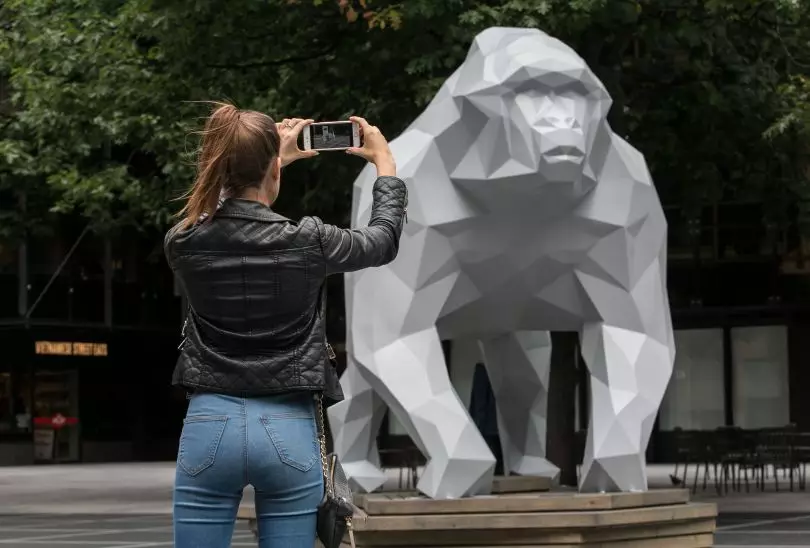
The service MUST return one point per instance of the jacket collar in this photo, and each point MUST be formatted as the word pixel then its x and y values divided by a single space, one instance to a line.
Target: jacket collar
pixel 237 208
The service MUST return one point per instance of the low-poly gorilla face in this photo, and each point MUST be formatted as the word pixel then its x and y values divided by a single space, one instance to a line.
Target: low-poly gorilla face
pixel 561 121
pixel 546 100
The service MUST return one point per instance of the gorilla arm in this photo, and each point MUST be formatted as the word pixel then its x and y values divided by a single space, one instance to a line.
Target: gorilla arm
pixel 628 345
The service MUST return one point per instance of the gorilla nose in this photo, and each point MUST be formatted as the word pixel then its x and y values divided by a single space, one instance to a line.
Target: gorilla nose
pixel 562 122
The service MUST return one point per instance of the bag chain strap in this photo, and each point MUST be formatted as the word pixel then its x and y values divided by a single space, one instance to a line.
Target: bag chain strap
pixel 327 481
pixel 322 442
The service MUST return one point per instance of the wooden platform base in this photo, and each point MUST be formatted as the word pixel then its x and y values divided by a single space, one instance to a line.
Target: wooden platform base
pixel 655 519
pixel 523 512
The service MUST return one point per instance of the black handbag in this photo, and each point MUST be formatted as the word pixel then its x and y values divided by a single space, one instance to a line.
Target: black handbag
pixel 336 509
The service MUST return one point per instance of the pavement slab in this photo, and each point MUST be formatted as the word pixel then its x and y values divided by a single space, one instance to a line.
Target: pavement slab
pixel 753 530
pixel 96 531
pixel 129 506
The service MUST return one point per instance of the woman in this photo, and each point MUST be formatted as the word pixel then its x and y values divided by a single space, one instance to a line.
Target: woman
pixel 254 351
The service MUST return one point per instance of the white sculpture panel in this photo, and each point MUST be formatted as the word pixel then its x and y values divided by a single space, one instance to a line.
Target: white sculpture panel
pixel 527 214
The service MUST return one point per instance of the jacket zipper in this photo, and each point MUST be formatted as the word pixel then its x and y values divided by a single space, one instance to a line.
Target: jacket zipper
pixel 183 333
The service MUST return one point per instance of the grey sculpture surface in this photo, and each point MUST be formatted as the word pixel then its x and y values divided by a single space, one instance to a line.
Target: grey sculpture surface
pixel 527 214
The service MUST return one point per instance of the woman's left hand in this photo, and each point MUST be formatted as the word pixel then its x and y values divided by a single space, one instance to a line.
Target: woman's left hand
pixel 289 129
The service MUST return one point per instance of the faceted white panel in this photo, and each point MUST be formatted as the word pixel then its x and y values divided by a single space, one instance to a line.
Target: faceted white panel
pixel 527 215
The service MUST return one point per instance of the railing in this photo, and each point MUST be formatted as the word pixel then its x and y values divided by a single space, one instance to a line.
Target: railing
pixel 736 457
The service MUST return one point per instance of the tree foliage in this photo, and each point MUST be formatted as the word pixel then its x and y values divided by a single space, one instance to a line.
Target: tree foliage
pixel 103 94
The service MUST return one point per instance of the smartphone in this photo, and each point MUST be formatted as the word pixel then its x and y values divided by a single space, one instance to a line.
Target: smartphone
pixel 331 136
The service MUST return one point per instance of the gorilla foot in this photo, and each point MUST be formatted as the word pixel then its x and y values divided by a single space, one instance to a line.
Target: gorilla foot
pixel 364 476
pixel 457 478
pixel 620 473
pixel 535 466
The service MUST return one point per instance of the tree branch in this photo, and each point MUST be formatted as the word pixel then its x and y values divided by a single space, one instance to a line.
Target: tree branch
pixel 275 62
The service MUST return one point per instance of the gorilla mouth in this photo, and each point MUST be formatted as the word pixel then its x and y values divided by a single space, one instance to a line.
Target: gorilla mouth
pixel 564 154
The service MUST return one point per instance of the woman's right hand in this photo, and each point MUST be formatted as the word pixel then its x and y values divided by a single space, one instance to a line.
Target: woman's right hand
pixel 375 148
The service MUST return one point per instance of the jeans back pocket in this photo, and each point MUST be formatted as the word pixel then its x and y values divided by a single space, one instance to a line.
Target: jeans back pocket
pixel 199 442
pixel 295 438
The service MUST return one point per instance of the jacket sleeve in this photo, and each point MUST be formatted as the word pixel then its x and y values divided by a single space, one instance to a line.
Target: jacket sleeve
pixel 347 250
pixel 168 243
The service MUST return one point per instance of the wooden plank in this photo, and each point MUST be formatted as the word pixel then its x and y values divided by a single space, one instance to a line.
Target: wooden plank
pixel 655 530
pixel 410 503
pixel 519 484
pixel 405 504
pixel 500 485
pixel 653 497
pixel 703 539
pixel 536 536
pixel 535 520
pixel 694 541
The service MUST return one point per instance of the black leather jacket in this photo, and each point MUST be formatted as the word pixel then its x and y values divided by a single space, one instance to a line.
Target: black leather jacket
pixel 254 283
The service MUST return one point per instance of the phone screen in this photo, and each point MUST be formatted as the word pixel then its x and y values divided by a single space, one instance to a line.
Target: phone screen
pixel 333 135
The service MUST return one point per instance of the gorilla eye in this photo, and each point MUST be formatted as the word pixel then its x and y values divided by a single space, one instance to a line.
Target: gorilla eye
pixel 549 88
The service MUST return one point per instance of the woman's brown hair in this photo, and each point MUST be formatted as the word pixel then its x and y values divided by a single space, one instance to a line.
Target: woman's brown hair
pixel 237 149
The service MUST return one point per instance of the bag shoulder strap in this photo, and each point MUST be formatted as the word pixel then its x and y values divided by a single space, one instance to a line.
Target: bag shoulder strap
pixel 320 419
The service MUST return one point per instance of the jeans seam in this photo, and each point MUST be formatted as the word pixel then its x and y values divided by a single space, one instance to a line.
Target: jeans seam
pixel 246 442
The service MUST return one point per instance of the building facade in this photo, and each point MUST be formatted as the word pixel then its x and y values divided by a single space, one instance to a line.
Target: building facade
pixel 89 326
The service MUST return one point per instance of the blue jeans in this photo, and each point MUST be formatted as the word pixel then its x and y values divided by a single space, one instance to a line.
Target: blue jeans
pixel 229 442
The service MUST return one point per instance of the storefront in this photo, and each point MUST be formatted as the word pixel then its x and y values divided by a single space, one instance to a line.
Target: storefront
pixel 39 395
pixel 74 395
pixel 745 369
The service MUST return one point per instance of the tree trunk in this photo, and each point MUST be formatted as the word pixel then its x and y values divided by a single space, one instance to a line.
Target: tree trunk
pixel 561 433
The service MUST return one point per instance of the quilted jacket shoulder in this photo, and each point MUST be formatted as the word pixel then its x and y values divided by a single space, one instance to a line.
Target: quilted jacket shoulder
pixel 254 281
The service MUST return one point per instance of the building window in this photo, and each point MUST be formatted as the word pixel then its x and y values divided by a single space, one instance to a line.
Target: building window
pixel 760 376
pixel 6 403
pixel 9 283
pixel 695 397
pixel 15 404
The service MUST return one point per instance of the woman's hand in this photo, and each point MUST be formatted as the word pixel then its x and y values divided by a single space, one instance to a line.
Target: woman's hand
pixel 289 129
pixel 375 148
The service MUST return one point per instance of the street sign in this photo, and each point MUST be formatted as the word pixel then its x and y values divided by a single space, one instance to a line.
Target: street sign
pixel 70 348
pixel 56 422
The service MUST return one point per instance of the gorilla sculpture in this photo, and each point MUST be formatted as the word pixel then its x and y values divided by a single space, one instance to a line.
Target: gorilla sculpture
pixel 527 214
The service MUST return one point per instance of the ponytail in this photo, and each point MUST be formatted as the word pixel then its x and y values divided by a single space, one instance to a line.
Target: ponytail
pixel 218 137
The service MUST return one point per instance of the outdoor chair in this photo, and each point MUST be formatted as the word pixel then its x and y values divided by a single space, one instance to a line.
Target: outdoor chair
pixel 730 451
pixel 776 453
pixel 685 453
pixel 692 447
pixel 800 444
pixel 406 460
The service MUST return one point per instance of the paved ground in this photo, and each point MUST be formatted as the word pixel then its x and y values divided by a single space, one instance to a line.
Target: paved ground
pixel 99 531
pixel 763 530
pixel 129 506
pixel 145 531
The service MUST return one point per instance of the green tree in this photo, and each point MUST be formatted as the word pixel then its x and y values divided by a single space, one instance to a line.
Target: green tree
pixel 103 102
